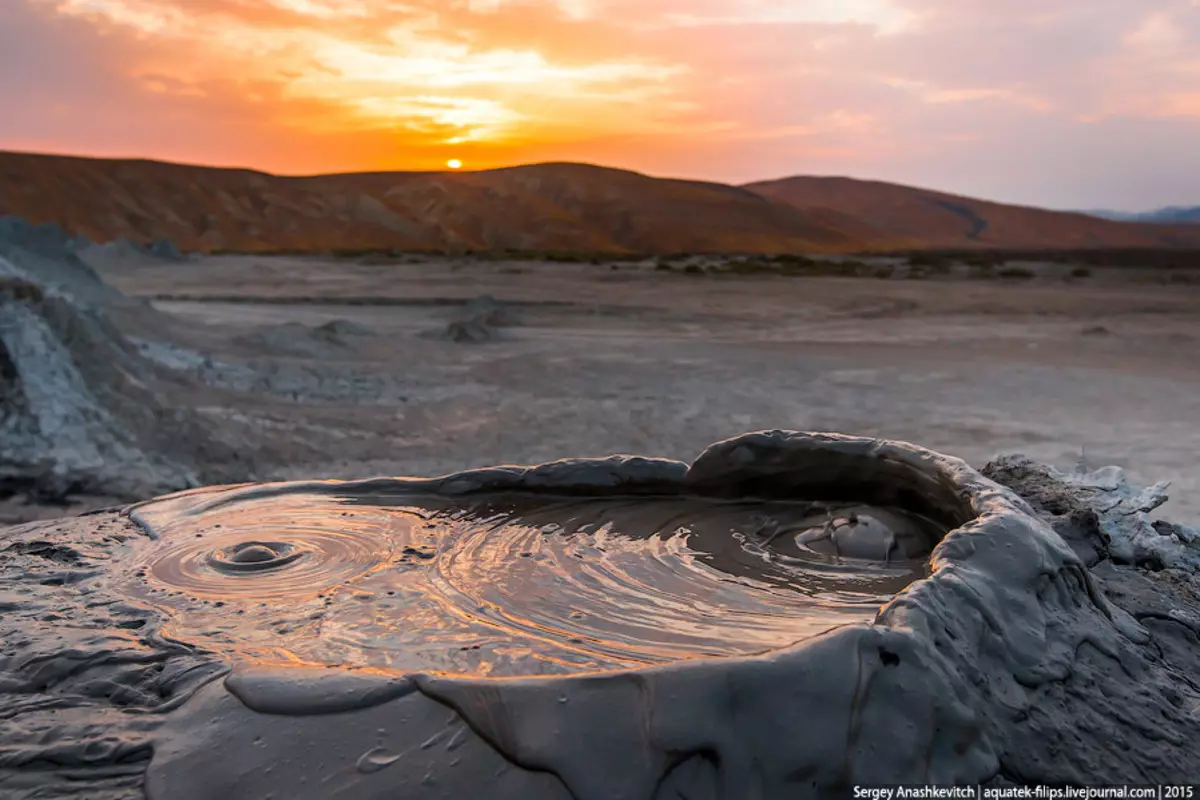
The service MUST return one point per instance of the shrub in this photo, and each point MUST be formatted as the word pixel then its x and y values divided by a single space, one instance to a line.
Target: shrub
pixel 983 260
pixel 748 266
pixel 359 252
pixel 566 258
pixel 1016 272
pixel 882 271
pixel 928 260
pixel 792 259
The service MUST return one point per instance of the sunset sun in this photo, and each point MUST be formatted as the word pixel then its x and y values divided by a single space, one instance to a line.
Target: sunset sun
pixel 454 163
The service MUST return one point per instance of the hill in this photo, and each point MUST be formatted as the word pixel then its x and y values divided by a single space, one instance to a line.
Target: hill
pixel 940 220
pixel 1171 215
pixel 558 207
pixel 540 207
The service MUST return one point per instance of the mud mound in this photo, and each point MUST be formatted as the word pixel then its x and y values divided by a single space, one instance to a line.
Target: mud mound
pixel 166 250
pixel 1125 533
pixel 492 312
pixel 77 244
pixel 44 255
pixel 478 322
pixel 345 328
pixel 127 253
pixel 77 413
pixel 296 339
pixel 117 253
pixel 657 626
pixel 48 239
pixel 59 436
pixel 81 411
pixel 465 331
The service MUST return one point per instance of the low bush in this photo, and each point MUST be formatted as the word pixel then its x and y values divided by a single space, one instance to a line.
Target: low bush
pixel 1021 273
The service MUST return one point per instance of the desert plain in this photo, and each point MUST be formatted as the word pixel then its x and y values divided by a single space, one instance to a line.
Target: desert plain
pixel 926 621
pixel 662 357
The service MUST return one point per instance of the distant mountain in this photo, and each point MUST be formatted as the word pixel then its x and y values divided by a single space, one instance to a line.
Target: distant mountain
pixel 542 207
pixel 1171 215
pixel 1105 213
pixel 940 220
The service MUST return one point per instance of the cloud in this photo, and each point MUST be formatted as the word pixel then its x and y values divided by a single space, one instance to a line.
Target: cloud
pixel 1021 100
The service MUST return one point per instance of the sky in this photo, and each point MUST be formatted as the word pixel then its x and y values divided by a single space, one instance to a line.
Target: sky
pixel 1057 103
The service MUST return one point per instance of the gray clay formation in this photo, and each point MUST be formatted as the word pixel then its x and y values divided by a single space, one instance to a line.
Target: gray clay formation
pixel 81 410
pixel 921 623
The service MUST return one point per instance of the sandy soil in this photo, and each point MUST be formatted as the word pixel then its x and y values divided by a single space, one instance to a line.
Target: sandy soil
pixel 629 359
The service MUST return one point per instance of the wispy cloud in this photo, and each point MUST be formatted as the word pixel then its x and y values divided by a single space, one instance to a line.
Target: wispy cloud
pixel 1020 100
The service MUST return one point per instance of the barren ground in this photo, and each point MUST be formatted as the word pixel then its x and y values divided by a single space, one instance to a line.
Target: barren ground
pixel 636 360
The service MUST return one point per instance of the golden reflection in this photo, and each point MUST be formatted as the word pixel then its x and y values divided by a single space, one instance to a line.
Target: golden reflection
pixel 516 584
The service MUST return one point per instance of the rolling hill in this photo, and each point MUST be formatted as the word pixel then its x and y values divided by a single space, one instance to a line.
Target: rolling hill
pixel 1171 215
pixel 561 207
pixel 940 220
pixel 540 207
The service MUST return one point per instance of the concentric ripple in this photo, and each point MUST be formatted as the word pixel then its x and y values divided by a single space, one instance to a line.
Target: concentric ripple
pixel 265 550
pixel 648 581
pixel 521 583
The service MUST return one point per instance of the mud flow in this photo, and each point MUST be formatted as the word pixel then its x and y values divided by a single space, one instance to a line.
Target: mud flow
pixel 516 584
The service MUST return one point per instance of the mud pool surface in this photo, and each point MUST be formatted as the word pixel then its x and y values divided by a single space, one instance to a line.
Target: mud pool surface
pixel 514 585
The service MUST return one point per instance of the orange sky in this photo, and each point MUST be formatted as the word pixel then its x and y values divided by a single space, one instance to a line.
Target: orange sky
pixel 1075 102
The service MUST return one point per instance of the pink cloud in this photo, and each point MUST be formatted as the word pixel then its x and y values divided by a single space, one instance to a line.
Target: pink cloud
pixel 1085 103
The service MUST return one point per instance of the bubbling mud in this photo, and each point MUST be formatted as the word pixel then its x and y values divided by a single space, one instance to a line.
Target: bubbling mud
pixel 271 553
pixel 255 556
pixel 520 583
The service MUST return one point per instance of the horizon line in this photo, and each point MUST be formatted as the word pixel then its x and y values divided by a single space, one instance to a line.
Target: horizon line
pixel 531 164
pixel 1097 212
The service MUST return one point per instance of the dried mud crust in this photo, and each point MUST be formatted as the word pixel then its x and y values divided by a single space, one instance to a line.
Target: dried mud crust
pixel 1012 662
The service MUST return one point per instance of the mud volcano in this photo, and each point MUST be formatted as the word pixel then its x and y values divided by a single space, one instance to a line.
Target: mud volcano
pixel 788 616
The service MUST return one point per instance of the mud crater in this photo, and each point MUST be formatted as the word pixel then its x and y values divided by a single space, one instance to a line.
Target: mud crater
pixel 518 582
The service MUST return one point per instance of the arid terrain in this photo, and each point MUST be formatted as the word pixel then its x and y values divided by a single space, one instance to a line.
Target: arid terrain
pixel 593 359
pixel 932 219
pixel 158 646
pixel 576 208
